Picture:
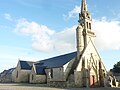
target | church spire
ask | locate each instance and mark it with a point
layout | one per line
(83, 31)
(84, 6)
(85, 14)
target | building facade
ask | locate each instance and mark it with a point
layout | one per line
(90, 71)
(37, 75)
(87, 69)
(22, 71)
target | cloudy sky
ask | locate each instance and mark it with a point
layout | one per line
(39, 29)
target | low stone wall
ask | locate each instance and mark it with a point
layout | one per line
(62, 84)
(6, 79)
(57, 84)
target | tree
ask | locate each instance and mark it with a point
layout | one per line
(116, 67)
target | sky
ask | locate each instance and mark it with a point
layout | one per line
(34, 30)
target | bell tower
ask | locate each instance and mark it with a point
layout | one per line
(89, 71)
(83, 31)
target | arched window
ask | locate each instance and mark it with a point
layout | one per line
(51, 73)
(17, 75)
(89, 25)
(32, 76)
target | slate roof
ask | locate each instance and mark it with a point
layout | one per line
(54, 62)
(40, 70)
(7, 72)
(57, 61)
(10, 70)
(27, 65)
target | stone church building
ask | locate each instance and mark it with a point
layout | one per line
(90, 71)
(87, 69)
(83, 68)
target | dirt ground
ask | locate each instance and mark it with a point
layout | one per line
(43, 87)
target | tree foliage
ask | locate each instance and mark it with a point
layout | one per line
(116, 67)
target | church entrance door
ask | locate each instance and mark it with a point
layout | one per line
(92, 80)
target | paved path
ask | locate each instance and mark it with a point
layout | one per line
(43, 87)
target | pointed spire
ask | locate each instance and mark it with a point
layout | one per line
(84, 6)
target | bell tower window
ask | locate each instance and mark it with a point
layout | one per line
(89, 25)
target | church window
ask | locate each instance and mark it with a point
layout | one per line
(17, 75)
(60, 69)
(32, 76)
(89, 25)
(51, 73)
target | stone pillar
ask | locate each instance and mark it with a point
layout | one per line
(79, 38)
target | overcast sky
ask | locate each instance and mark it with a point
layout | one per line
(38, 29)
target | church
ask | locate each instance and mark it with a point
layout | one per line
(86, 69)
(83, 68)
(90, 70)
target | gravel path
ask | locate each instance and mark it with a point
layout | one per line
(43, 87)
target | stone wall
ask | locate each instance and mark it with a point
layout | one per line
(38, 79)
(63, 84)
(57, 74)
(23, 76)
(6, 79)
(78, 78)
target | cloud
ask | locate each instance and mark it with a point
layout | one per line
(8, 17)
(44, 39)
(107, 34)
(107, 30)
(40, 34)
(73, 13)
(65, 40)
